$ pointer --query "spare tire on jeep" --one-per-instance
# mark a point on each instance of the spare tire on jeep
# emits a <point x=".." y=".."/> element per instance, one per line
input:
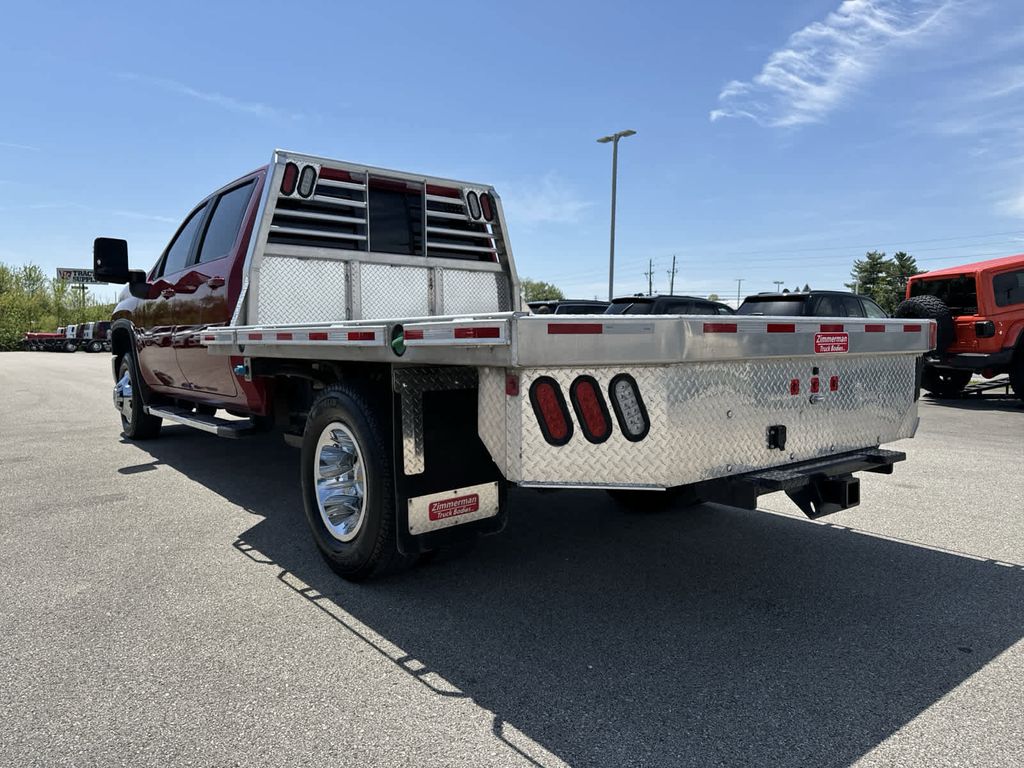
<point x="931" y="308"/>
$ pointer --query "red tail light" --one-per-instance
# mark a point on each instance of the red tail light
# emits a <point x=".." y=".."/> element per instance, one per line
<point x="591" y="409"/>
<point x="289" y="178"/>
<point x="794" y="387"/>
<point x="933" y="335"/>
<point x="833" y="384"/>
<point x="550" y="409"/>
<point x="815" y="385"/>
<point x="487" y="206"/>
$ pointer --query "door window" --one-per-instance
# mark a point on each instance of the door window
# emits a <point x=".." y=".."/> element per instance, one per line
<point x="225" y="222"/>
<point x="828" y="306"/>
<point x="178" y="251"/>
<point x="852" y="306"/>
<point x="1009" y="288"/>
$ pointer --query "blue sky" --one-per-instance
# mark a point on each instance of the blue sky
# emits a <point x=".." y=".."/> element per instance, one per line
<point x="776" y="141"/>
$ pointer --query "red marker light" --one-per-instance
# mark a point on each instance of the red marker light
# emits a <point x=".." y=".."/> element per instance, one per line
<point x="794" y="387"/>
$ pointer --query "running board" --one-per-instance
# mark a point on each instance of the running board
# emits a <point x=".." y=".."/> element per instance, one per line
<point x="211" y="424"/>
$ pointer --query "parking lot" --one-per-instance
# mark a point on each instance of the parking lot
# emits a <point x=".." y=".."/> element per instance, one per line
<point x="162" y="603"/>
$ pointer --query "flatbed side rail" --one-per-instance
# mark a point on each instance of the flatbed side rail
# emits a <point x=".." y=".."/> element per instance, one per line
<point x="520" y="340"/>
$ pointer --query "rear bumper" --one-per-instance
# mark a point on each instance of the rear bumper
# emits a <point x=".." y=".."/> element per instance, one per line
<point x="974" y="361"/>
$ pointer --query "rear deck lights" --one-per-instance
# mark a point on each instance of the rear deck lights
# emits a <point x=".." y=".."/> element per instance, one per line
<point x="487" y="206"/>
<point x="591" y="409"/>
<point x="307" y="181"/>
<point x="289" y="178"/>
<point x="473" y="200"/>
<point x="549" y="407"/>
<point x="629" y="407"/>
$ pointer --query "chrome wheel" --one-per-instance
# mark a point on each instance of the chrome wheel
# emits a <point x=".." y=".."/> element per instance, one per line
<point x="340" y="481"/>
<point x="123" y="396"/>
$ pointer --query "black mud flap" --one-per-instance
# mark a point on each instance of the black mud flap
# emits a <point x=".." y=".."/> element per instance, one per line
<point x="818" y="487"/>
<point x="458" y="479"/>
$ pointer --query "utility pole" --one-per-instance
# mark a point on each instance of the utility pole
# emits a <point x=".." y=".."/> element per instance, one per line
<point x="672" y="277"/>
<point x="650" y="277"/>
<point x="739" y="282"/>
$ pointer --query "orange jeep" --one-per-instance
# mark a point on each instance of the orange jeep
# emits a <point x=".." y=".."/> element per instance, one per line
<point x="979" y="310"/>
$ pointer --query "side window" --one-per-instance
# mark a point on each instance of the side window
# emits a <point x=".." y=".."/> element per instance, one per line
<point x="852" y="306"/>
<point x="678" y="308"/>
<point x="723" y="310"/>
<point x="873" y="310"/>
<point x="828" y="307"/>
<point x="1009" y="288"/>
<point x="180" y="248"/>
<point x="225" y="221"/>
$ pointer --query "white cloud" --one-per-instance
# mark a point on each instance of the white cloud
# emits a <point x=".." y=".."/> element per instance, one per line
<point x="12" y="145"/>
<point x="549" y="200"/>
<point x="227" y="102"/>
<point x="823" y="63"/>
<point x="1014" y="205"/>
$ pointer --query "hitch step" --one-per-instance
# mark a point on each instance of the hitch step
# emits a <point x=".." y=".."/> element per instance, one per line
<point x="211" y="424"/>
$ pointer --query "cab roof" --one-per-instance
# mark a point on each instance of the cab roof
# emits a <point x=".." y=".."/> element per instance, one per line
<point x="977" y="266"/>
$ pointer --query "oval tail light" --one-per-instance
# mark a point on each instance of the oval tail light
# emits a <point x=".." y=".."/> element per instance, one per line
<point x="591" y="409"/>
<point x="473" y="200"/>
<point x="289" y="178"/>
<point x="630" y="410"/>
<point x="307" y="181"/>
<point x="550" y="409"/>
<point x="487" y="206"/>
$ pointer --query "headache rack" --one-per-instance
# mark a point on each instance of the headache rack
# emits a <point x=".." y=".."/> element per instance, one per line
<point x="339" y="241"/>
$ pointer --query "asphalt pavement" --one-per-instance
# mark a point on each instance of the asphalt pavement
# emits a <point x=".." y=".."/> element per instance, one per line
<point x="161" y="603"/>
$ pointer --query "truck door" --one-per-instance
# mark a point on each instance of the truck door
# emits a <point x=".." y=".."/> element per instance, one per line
<point x="203" y="298"/>
<point x="157" y="358"/>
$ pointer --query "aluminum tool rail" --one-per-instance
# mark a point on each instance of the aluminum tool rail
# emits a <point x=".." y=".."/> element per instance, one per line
<point x="523" y="340"/>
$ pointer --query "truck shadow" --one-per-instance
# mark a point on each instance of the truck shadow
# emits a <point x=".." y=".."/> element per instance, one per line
<point x="696" y="637"/>
<point x="988" y="401"/>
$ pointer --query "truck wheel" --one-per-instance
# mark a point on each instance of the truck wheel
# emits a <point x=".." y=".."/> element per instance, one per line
<point x="1017" y="375"/>
<point x="931" y="308"/>
<point x="95" y="346"/>
<point x="135" y="422"/>
<point x="69" y="346"/>
<point x="943" y="382"/>
<point x="347" y="488"/>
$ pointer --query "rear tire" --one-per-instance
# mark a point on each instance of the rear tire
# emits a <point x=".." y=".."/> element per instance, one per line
<point x="1017" y="375"/>
<point x="931" y="308"/>
<point x="943" y="382"/>
<point x="347" y="484"/>
<point x="69" y="346"/>
<point x="135" y="422"/>
<point x="95" y="346"/>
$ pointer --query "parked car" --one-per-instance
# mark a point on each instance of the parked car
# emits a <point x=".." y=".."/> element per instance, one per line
<point x="810" y="304"/>
<point x="667" y="305"/>
<point x="979" y="312"/>
<point x="569" y="307"/>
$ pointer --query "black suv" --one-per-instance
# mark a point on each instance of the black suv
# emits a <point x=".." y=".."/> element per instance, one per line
<point x="569" y="307"/>
<point x="810" y="304"/>
<point x="667" y="305"/>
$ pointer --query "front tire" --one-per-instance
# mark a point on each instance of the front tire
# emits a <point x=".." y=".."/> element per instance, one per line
<point x="943" y="382"/>
<point x="347" y="485"/>
<point x="135" y="422"/>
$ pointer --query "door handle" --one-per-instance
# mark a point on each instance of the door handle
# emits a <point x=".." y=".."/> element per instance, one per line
<point x="215" y="282"/>
<point x="167" y="293"/>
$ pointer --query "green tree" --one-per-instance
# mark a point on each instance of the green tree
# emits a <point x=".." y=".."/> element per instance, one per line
<point x="538" y="290"/>
<point x="871" y="276"/>
<point x="713" y="297"/>
<point x="902" y="267"/>
<point x="807" y="287"/>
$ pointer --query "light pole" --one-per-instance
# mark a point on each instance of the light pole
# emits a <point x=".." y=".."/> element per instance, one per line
<point x="614" y="139"/>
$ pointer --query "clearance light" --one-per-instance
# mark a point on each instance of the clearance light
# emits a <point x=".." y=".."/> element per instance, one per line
<point x="288" y="179"/>
<point x="550" y="409"/>
<point x="591" y="410"/>
<point x="307" y="181"/>
<point x="629" y="407"/>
